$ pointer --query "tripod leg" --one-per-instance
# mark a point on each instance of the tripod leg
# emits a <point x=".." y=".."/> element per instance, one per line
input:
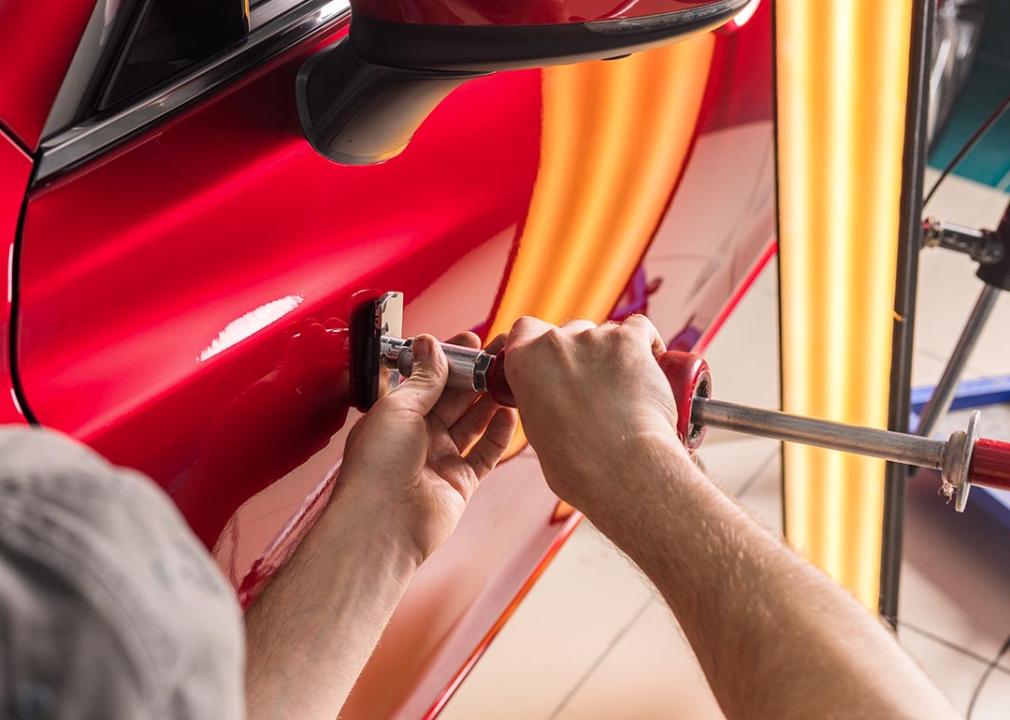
<point x="943" y="394"/>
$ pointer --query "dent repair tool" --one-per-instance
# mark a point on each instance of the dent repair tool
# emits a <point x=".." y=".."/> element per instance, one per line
<point x="380" y="357"/>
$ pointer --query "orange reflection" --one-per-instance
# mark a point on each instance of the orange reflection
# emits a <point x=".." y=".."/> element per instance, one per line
<point x="615" y="138"/>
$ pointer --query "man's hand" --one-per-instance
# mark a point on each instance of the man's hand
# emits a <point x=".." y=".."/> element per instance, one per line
<point x="775" y="637"/>
<point x="422" y="449"/>
<point x="591" y="400"/>
<point x="410" y="465"/>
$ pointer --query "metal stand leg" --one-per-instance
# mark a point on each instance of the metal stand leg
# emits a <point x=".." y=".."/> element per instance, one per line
<point x="940" y="400"/>
<point x="913" y="166"/>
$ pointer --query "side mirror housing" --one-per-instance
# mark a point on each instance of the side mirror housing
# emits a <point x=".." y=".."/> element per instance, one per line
<point x="361" y="100"/>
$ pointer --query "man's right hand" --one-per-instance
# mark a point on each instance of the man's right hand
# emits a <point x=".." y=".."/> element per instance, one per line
<point x="775" y="637"/>
<point x="593" y="403"/>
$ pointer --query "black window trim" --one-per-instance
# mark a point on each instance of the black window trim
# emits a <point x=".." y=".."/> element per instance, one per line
<point x="275" y="26"/>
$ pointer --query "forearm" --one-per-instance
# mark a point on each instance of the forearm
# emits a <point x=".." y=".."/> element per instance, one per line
<point x="775" y="637"/>
<point x="312" y="630"/>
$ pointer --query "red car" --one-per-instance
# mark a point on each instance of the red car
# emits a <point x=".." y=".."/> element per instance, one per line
<point x="183" y="262"/>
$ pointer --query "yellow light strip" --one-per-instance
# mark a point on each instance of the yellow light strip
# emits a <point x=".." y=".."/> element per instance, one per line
<point x="842" y="77"/>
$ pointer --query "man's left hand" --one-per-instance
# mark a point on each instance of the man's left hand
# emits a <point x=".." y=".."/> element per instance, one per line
<point x="423" y="449"/>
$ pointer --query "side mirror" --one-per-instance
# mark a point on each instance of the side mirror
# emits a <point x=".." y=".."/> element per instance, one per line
<point x="361" y="100"/>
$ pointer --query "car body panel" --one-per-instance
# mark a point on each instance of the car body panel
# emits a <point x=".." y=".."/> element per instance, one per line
<point x="183" y="296"/>
<point x="252" y="235"/>
<point x="15" y="168"/>
<point x="39" y="39"/>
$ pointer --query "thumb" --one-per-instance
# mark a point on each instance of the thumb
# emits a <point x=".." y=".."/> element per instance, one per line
<point x="428" y="376"/>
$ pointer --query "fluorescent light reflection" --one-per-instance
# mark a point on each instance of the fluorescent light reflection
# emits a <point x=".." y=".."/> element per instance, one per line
<point x="842" y="75"/>
<point x="249" y="324"/>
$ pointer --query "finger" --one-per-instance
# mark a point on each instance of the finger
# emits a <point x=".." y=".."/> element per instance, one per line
<point x="497" y="345"/>
<point x="473" y="422"/>
<point x="455" y="401"/>
<point x="428" y="375"/>
<point x="465" y="339"/>
<point x="487" y="451"/>
<point x="525" y="329"/>
<point x="574" y="327"/>
<point x="644" y="327"/>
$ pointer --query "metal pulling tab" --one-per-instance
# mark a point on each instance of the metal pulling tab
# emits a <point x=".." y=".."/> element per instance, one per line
<point x="467" y="366"/>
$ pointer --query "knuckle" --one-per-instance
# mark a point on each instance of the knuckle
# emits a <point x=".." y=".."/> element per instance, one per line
<point x="640" y="323"/>
<point x="553" y="337"/>
<point x="628" y="335"/>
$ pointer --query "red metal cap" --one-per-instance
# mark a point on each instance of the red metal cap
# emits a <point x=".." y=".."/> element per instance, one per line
<point x="689" y="377"/>
<point x="990" y="464"/>
<point x="497" y="384"/>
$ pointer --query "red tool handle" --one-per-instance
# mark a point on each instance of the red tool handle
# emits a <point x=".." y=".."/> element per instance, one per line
<point x="497" y="384"/>
<point x="990" y="464"/>
<point x="688" y="375"/>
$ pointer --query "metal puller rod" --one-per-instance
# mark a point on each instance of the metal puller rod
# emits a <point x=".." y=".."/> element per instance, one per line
<point x="894" y="446"/>
<point x="963" y="460"/>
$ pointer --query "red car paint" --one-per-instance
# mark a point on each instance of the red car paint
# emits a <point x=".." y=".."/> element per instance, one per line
<point x="38" y="39"/>
<point x="15" y="166"/>
<point x="288" y="234"/>
<point x="516" y="12"/>
<point x="182" y="298"/>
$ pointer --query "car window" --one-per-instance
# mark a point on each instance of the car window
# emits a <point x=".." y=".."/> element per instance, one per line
<point x="140" y="60"/>
<point x="168" y="37"/>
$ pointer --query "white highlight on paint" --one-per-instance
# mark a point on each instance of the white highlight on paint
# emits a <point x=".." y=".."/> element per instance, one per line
<point x="741" y="18"/>
<point x="249" y="324"/>
<point x="10" y="274"/>
<point x="17" y="405"/>
<point x="334" y="7"/>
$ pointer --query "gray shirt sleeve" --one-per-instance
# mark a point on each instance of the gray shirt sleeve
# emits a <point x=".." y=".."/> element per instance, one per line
<point x="109" y="606"/>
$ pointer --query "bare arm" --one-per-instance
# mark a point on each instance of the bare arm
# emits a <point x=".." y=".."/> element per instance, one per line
<point x="409" y="467"/>
<point x="775" y="637"/>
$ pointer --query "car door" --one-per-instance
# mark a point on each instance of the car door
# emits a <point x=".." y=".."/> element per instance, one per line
<point x="187" y="264"/>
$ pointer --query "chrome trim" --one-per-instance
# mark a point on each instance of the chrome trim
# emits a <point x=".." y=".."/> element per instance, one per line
<point x="77" y="144"/>
<point x="103" y="36"/>
<point x="263" y="12"/>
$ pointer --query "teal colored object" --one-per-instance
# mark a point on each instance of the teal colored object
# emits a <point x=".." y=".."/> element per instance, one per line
<point x="987" y="86"/>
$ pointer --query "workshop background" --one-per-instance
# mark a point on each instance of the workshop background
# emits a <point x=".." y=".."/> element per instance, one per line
<point x="594" y="640"/>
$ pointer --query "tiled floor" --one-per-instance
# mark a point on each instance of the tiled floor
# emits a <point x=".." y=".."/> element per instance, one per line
<point x="593" y="641"/>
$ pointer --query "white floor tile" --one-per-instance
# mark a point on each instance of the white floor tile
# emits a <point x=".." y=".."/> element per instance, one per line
<point x="734" y="464"/>
<point x="762" y="496"/>
<point x="744" y="356"/>
<point x="948" y="286"/>
<point x="993" y="701"/>
<point x="926" y="369"/>
<point x="649" y="674"/>
<point x="965" y="201"/>
<point x="947" y="293"/>
<point x="992" y="355"/>
<point x="955" y="673"/>
<point x="767" y="283"/>
<point x="955" y="579"/>
<point x="580" y="604"/>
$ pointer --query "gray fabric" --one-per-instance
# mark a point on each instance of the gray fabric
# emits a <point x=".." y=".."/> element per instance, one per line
<point x="109" y="606"/>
